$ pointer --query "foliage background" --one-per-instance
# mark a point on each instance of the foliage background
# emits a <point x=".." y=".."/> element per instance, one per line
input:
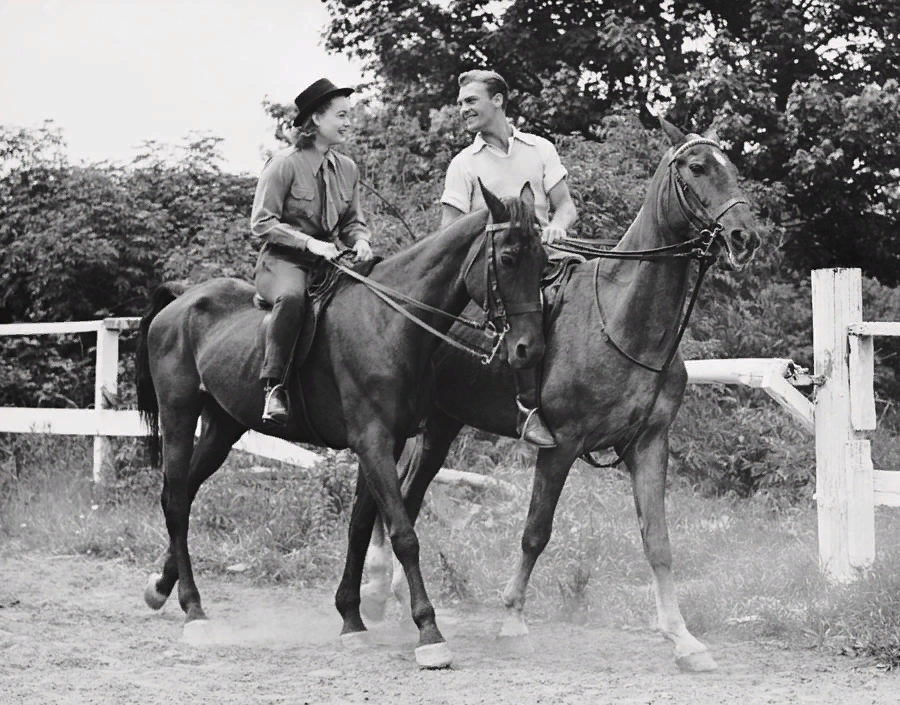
<point x="804" y="96"/>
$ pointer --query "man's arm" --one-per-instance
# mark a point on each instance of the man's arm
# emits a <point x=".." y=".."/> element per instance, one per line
<point x="449" y="214"/>
<point x="564" y="213"/>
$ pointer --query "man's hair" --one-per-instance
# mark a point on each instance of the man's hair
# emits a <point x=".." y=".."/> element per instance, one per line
<point x="492" y="80"/>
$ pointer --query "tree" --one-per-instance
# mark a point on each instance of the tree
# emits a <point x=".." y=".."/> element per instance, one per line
<point x="801" y="91"/>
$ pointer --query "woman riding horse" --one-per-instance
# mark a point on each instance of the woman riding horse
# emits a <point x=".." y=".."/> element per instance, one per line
<point x="306" y="197"/>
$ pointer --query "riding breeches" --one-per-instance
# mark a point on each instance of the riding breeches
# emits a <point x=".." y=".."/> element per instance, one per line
<point x="281" y="283"/>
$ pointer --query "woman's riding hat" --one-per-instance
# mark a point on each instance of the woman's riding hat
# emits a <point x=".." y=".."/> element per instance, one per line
<point x="314" y="96"/>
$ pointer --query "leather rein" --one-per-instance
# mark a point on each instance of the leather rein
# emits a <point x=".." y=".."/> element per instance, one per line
<point x="698" y="248"/>
<point x="496" y="313"/>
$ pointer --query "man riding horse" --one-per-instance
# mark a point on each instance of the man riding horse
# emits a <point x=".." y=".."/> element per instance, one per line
<point x="504" y="159"/>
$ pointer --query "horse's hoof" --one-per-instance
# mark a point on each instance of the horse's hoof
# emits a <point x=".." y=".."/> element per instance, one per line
<point x="371" y="604"/>
<point x="434" y="655"/>
<point x="196" y="632"/>
<point x="153" y="597"/>
<point x="355" y="641"/>
<point x="513" y="627"/>
<point x="699" y="662"/>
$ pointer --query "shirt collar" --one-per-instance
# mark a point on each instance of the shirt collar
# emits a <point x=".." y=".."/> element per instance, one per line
<point x="479" y="142"/>
<point x="311" y="155"/>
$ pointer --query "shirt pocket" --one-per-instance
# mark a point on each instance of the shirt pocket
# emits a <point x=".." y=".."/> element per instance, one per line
<point x="302" y="200"/>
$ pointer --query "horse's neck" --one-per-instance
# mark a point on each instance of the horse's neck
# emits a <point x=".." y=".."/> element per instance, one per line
<point x="642" y="300"/>
<point x="431" y="270"/>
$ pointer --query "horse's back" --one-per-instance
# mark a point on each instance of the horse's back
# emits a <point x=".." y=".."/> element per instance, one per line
<point x="211" y="335"/>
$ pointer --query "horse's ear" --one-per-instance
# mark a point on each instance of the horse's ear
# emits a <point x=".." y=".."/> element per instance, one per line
<point x="675" y="135"/>
<point x="526" y="195"/>
<point x="494" y="204"/>
<point x="710" y="134"/>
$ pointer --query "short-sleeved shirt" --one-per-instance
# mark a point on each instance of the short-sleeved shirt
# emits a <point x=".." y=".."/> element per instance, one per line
<point x="529" y="158"/>
<point x="288" y="203"/>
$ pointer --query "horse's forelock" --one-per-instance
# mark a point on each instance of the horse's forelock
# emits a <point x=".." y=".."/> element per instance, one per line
<point x="521" y="219"/>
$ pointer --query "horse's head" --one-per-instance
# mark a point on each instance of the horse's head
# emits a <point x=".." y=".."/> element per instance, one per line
<point x="505" y="275"/>
<point x="704" y="197"/>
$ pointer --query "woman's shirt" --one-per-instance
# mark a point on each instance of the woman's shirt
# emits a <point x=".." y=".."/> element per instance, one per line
<point x="289" y="208"/>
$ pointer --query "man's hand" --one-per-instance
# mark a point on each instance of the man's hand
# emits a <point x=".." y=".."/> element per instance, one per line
<point x="552" y="233"/>
<point x="322" y="248"/>
<point x="362" y="250"/>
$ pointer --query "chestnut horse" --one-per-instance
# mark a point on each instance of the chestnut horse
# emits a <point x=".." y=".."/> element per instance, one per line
<point x="364" y="380"/>
<point x="612" y="374"/>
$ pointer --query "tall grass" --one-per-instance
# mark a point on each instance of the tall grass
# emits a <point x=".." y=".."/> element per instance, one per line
<point x="746" y="568"/>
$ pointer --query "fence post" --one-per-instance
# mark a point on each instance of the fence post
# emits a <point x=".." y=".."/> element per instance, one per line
<point x="844" y="477"/>
<point x="105" y="390"/>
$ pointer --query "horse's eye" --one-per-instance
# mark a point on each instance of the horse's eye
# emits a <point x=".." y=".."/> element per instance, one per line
<point x="696" y="168"/>
<point x="507" y="259"/>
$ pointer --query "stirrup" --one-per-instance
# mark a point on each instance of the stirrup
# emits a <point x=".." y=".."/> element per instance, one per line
<point x="281" y="414"/>
<point x="542" y="436"/>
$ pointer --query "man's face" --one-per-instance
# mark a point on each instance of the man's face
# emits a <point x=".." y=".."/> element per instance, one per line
<point x="476" y="107"/>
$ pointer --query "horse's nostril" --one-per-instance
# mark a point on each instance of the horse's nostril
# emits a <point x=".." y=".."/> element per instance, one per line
<point x="521" y="351"/>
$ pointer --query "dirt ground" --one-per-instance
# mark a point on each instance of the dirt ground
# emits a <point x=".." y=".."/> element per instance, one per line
<point x="76" y="630"/>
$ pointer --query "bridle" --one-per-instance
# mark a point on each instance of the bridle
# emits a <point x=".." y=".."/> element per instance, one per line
<point x="700" y="248"/>
<point x="495" y="325"/>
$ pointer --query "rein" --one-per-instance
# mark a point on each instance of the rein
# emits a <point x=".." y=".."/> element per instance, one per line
<point x="697" y="248"/>
<point x="494" y="308"/>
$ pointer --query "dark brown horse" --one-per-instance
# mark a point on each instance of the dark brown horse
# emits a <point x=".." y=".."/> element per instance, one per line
<point x="364" y="380"/>
<point x="606" y="382"/>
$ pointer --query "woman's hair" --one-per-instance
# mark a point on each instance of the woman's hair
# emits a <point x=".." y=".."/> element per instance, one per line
<point x="304" y="136"/>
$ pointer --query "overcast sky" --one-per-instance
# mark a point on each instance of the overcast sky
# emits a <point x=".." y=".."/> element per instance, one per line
<point x="113" y="73"/>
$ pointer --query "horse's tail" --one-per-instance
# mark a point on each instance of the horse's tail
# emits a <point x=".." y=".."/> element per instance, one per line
<point x="148" y="406"/>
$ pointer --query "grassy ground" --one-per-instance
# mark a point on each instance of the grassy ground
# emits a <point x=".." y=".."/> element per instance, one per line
<point x="745" y="568"/>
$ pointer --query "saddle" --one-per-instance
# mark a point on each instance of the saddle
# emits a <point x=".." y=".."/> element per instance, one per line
<point x="553" y="283"/>
<point x="323" y="283"/>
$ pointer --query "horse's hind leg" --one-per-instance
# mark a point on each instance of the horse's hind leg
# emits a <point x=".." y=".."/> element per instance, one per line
<point x="647" y="461"/>
<point x="550" y="473"/>
<point x="183" y="478"/>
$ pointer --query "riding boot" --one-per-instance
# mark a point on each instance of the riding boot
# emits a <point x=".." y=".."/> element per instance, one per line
<point x="530" y="425"/>
<point x="281" y="341"/>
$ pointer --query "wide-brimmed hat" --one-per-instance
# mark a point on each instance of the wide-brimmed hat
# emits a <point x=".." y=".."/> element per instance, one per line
<point x="314" y="96"/>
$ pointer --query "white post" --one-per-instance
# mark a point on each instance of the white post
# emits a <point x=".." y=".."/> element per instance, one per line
<point x="105" y="390"/>
<point x="844" y="489"/>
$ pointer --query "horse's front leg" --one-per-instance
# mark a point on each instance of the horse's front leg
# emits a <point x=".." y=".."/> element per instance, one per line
<point x="550" y="473"/>
<point x="419" y="463"/>
<point x="647" y="462"/>
<point x="377" y="462"/>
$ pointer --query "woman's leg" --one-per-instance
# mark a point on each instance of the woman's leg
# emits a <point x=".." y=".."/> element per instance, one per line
<point x="283" y="284"/>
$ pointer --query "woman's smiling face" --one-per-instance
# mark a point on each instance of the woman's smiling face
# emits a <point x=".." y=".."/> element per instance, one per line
<point x="333" y="122"/>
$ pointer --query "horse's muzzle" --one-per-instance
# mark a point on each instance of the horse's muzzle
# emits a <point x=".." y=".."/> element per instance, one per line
<point x="524" y="352"/>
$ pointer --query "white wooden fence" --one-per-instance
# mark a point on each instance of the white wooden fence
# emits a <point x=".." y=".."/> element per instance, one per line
<point x="105" y="421"/>
<point x="847" y="487"/>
